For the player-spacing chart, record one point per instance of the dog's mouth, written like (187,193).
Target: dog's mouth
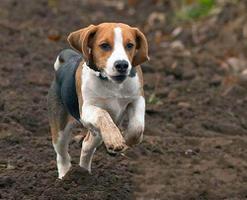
(119,78)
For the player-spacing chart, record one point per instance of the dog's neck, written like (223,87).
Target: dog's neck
(96,70)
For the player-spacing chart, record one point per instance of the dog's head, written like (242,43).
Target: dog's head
(113,48)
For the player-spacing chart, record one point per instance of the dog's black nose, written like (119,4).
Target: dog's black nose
(121,66)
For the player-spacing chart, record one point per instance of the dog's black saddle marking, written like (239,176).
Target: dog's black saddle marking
(66,83)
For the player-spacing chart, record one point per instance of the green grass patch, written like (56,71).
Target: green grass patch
(194,9)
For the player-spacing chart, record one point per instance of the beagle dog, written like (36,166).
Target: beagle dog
(99,85)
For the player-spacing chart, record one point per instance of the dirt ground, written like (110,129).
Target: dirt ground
(196,120)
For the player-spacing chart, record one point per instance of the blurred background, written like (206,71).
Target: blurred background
(195,88)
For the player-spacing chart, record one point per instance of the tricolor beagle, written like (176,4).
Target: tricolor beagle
(98,85)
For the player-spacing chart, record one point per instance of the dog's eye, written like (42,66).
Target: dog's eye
(129,46)
(105,46)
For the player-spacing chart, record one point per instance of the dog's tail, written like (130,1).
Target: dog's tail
(63,57)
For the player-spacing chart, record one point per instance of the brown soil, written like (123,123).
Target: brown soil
(196,129)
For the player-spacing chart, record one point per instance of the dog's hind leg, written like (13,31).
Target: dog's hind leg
(60,130)
(61,146)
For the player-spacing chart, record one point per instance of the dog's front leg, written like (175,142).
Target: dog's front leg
(99,120)
(89,145)
(136,122)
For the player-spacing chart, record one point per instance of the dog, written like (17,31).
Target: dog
(98,84)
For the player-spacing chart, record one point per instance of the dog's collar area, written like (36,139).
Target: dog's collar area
(132,72)
(101,75)
(96,70)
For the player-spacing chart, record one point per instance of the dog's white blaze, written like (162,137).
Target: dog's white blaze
(118,52)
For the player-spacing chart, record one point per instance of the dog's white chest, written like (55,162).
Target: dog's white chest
(112,97)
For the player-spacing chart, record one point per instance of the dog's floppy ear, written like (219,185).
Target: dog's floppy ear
(81,40)
(141,48)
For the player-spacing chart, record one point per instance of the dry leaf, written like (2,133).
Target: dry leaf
(177,31)
(133,3)
(54,36)
(237,65)
(158,37)
(177,44)
(156,18)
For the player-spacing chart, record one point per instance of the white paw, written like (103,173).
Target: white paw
(63,165)
(86,160)
(86,166)
(63,169)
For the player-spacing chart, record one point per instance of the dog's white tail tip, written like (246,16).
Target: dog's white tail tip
(57,64)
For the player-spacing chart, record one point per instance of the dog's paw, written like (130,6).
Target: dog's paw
(63,169)
(115,147)
(113,139)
